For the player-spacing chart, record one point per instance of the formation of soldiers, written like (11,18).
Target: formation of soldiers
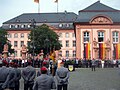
(10,76)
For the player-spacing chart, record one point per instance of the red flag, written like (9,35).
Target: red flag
(37,1)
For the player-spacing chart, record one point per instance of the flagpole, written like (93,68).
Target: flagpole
(38,7)
(57,6)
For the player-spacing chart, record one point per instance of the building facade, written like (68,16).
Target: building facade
(93,33)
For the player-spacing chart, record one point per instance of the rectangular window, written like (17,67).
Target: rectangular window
(67,43)
(22,35)
(86,37)
(67,35)
(74,53)
(74,43)
(115,37)
(9,35)
(67,53)
(22,43)
(60,34)
(15,35)
(15,53)
(15,43)
(100,36)
(73,34)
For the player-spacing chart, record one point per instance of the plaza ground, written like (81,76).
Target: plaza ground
(101,79)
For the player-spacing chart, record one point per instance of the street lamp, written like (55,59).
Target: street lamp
(47,42)
(33,27)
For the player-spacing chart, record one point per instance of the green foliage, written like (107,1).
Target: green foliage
(4,40)
(43,37)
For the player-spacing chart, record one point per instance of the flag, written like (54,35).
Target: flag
(37,1)
(117,50)
(56,1)
(87,50)
(102,51)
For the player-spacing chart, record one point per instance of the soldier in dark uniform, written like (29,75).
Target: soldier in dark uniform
(62,76)
(11,77)
(4,71)
(44,81)
(18,73)
(28,75)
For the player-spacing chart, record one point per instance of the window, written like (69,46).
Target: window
(60,42)
(15,53)
(60,53)
(67,43)
(86,36)
(100,36)
(115,37)
(74,43)
(15,35)
(15,43)
(17,26)
(28,43)
(22,26)
(9,35)
(28,35)
(60,25)
(67,35)
(74,53)
(22,43)
(11,26)
(73,34)
(60,34)
(67,53)
(28,26)
(22,35)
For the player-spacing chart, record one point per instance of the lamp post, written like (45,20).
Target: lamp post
(47,43)
(33,27)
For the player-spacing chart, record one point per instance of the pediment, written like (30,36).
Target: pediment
(101,20)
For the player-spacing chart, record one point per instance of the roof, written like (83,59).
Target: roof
(44,17)
(97,9)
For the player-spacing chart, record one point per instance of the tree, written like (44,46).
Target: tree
(4,40)
(43,38)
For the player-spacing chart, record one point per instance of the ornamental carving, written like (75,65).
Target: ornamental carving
(101,20)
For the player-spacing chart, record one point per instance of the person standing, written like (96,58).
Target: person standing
(11,77)
(93,64)
(62,76)
(18,73)
(44,81)
(4,71)
(28,75)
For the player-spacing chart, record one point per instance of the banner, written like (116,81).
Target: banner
(87,50)
(102,51)
(117,51)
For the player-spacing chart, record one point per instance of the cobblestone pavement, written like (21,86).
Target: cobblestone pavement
(85,79)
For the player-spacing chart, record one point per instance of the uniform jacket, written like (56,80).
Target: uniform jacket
(11,78)
(62,75)
(18,73)
(4,71)
(28,74)
(44,82)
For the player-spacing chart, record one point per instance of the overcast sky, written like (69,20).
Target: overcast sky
(12,8)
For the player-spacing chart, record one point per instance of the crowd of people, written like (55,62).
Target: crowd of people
(41,79)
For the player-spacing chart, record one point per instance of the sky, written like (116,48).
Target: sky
(12,8)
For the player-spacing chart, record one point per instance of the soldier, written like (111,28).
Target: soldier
(4,71)
(28,75)
(62,76)
(11,77)
(18,73)
(44,81)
